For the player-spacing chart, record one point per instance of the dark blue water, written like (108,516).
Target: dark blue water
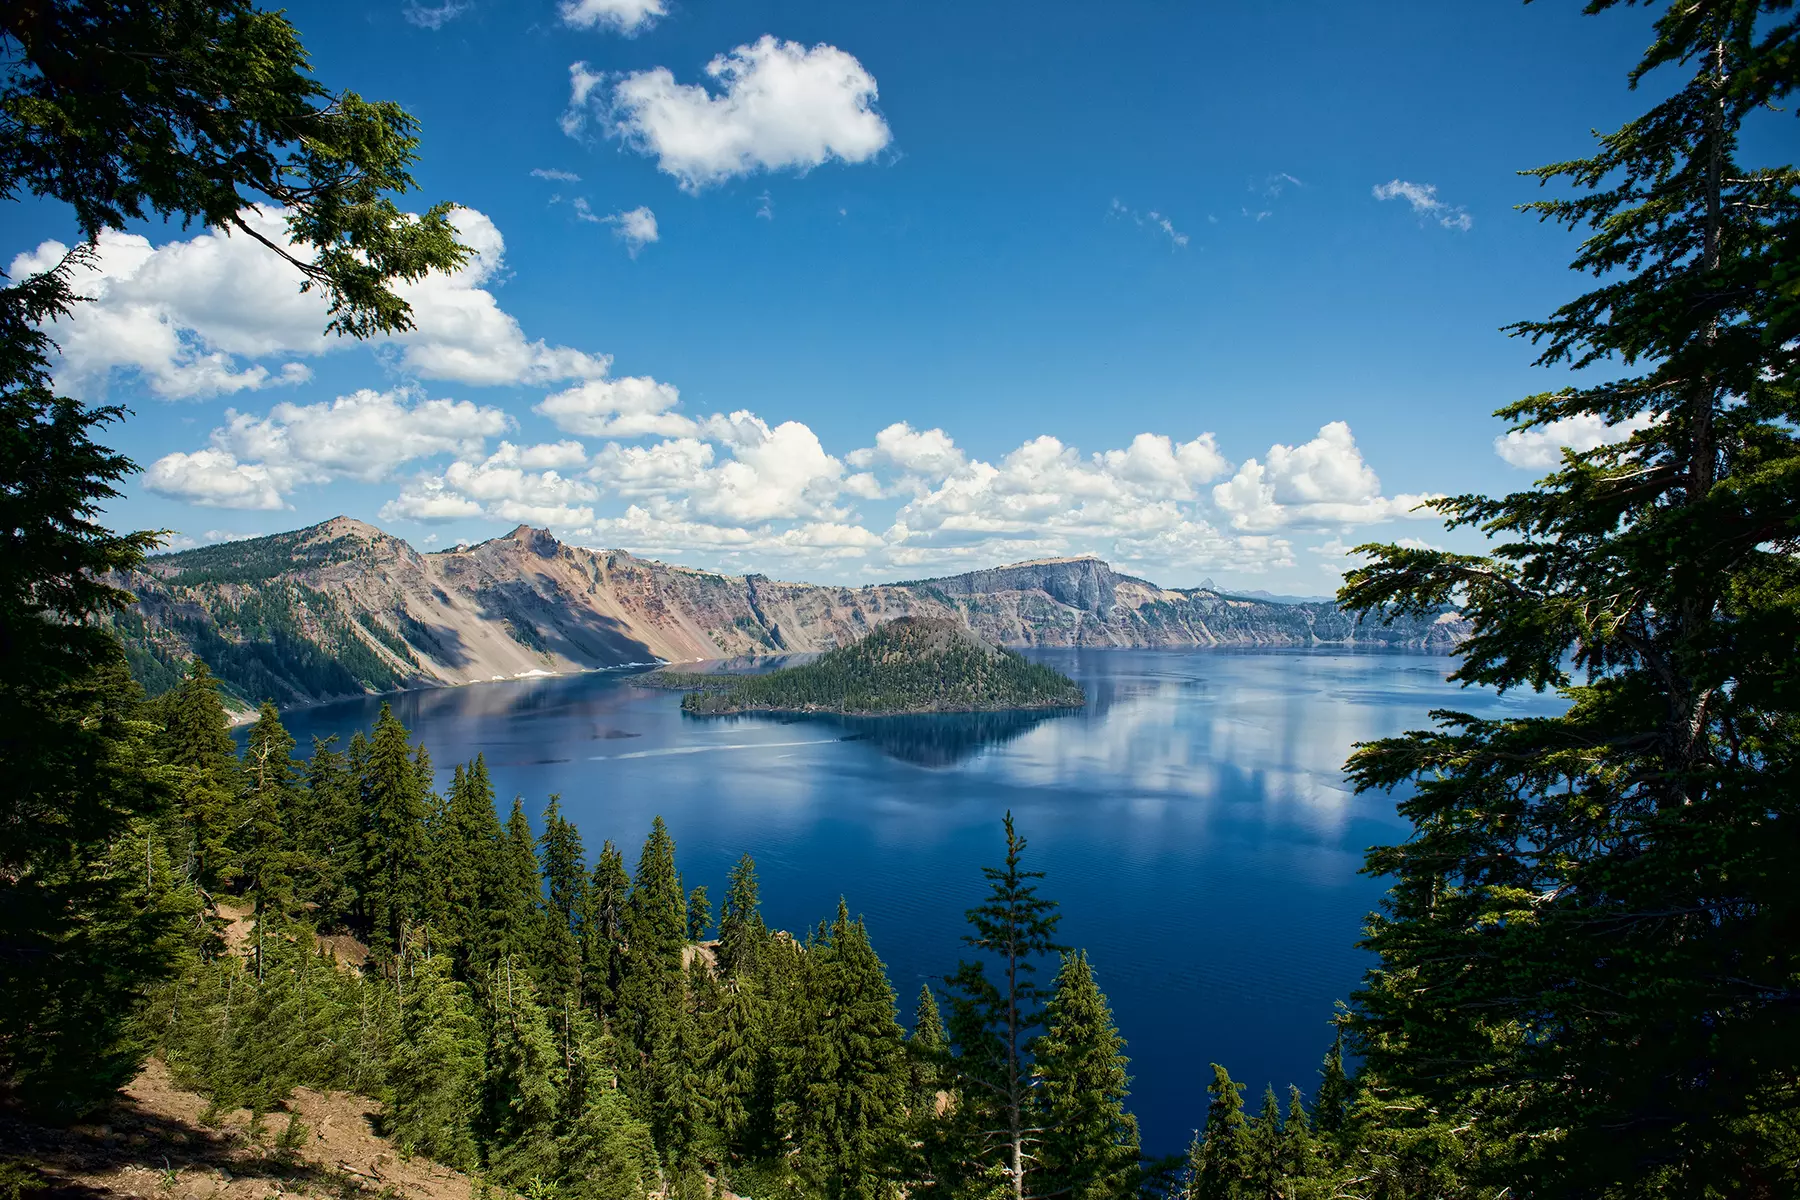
(1192,820)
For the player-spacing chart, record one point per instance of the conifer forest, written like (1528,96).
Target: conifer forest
(1584,978)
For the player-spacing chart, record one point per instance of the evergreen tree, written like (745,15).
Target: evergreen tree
(1089,1147)
(603,1151)
(1226,1167)
(523,1082)
(466,866)
(515,910)
(603,930)
(1333,1099)
(196,743)
(194,111)
(261,842)
(438,1065)
(737,1062)
(1588,949)
(327,843)
(1301,1163)
(1267,1150)
(699,914)
(652,994)
(848,1088)
(741,929)
(927,1046)
(394,849)
(991,1024)
(564,872)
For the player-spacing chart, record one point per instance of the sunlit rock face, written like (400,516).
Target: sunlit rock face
(342,608)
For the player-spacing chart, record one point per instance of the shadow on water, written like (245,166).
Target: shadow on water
(929,739)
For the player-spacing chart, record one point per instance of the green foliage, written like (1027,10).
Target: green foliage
(1223,1165)
(846,1080)
(908,665)
(992,1024)
(202,109)
(1587,954)
(438,1064)
(392,888)
(1089,1147)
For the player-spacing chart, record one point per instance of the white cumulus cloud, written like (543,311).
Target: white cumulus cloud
(773,106)
(635,227)
(1541,448)
(633,406)
(622,16)
(192,317)
(257,462)
(1318,483)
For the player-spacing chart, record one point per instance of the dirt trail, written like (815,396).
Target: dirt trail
(152,1145)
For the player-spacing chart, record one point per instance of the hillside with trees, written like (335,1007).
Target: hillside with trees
(1585,978)
(910,665)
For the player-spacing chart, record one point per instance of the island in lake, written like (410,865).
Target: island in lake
(909,665)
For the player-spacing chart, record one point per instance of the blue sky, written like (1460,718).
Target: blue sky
(818,313)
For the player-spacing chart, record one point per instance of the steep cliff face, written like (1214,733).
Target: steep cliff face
(342,608)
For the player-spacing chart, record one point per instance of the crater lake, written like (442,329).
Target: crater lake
(1192,821)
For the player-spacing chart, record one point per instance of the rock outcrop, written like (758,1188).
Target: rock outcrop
(341,608)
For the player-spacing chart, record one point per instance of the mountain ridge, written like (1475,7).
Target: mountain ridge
(343,608)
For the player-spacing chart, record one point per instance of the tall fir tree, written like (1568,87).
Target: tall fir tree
(327,842)
(562,864)
(523,1085)
(699,914)
(394,848)
(992,1022)
(466,864)
(196,743)
(603,930)
(438,1064)
(1089,1146)
(1334,1095)
(1225,1165)
(515,909)
(1268,1150)
(741,929)
(652,992)
(261,842)
(848,1081)
(1588,950)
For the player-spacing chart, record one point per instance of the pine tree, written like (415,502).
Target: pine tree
(261,841)
(737,1062)
(1267,1150)
(560,859)
(1301,1164)
(466,865)
(327,843)
(394,848)
(699,914)
(848,1089)
(741,929)
(1226,1166)
(603,1151)
(523,1083)
(927,1047)
(196,742)
(1588,943)
(1089,1147)
(603,930)
(437,1069)
(992,1024)
(652,994)
(1333,1099)
(515,910)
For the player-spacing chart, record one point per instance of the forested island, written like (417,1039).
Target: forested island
(910,665)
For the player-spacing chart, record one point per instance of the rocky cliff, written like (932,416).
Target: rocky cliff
(342,608)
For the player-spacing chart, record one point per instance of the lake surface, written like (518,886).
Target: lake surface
(1192,820)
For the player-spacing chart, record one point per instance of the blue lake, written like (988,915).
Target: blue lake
(1192,820)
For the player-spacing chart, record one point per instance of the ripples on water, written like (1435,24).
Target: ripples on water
(1192,820)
